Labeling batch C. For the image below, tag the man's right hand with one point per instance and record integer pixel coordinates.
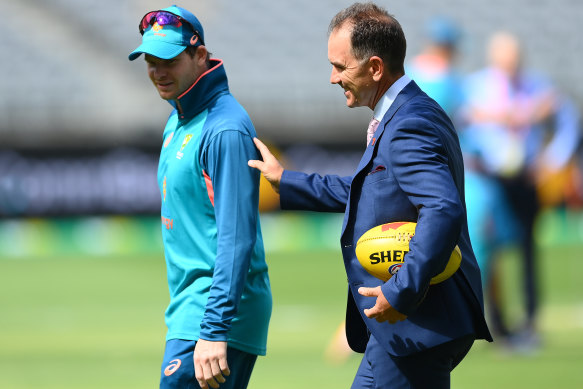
(269, 167)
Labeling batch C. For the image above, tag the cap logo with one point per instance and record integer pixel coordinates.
(157, 27)
(193, 40)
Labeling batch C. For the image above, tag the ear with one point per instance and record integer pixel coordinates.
(377, 67)
(201, 54)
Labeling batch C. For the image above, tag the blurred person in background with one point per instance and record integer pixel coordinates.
(220, 298)
(434, 68)
(412, 335)
(518, 132)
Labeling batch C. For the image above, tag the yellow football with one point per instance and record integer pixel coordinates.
(382, 250)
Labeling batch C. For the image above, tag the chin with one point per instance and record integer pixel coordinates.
(352, 104)
(167, 96)
(351, 101)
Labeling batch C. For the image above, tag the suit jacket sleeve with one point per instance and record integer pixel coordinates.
(312, 192)
(419, 159)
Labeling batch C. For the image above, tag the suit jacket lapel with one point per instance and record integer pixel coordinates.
(405, 95)
(408, 92)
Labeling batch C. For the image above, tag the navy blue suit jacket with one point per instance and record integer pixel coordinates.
(411, 171)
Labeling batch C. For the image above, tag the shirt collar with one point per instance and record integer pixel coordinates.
(389, 97)
(203, 92)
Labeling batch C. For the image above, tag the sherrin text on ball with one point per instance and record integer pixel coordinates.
(382, 250)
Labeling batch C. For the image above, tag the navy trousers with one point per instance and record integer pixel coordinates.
(178, 367)
(428, 369)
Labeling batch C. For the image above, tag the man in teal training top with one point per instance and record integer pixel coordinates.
(220, 297)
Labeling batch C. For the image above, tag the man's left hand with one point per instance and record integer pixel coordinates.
(210, 363)
(382, 310)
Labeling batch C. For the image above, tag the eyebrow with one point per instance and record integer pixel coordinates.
(338, 64)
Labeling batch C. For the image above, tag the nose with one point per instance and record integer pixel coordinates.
(159, 71)
(156, 70)
(334, 77)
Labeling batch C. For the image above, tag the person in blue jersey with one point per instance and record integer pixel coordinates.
(434, 69)
(220, 296)
(412, 334)
(519, 133)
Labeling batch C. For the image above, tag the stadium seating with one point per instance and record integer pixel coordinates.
(65, 70)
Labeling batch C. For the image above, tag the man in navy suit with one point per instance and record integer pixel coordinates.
(412, 334)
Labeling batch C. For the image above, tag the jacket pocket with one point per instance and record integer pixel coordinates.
(376, 174)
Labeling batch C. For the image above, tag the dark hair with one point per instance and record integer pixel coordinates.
(374, 32)
(191, 50)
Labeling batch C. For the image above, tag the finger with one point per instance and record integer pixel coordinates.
(260, 145)
(256, 164)
(208, 376)
(202, 384)
(198, 373)
(224, 366)
(216, 371)
(219, 378)
(369, 292)
(371, 313)
(266, 155)
(212, 383)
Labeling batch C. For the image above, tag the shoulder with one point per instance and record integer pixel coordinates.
(227, 114)
(420, 121)
(227, 126)
(420, 110)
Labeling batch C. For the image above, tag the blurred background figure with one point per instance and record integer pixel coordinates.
(518, 133)
(436, 71)
(434, 68)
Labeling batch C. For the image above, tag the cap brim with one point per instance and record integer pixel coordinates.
(158, 49)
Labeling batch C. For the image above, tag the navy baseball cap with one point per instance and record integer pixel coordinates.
(167, 32)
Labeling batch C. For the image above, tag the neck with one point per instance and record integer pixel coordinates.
(178, 106)
(202, 92)
(382, 88)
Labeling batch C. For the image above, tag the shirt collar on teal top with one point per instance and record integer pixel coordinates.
(203, 92)
(389, 97)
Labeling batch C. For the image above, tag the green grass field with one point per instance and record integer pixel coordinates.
(98, 323)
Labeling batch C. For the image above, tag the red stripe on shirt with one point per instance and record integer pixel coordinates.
(209, 187)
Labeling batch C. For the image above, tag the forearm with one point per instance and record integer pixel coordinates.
(311, 192)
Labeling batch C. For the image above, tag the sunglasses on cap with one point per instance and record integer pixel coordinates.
(165, 18)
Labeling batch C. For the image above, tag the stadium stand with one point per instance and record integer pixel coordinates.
(73, 106)
(68, 81)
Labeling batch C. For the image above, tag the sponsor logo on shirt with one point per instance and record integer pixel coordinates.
(164, 189)
(168, 139)
(167, 222)
(180, 153)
